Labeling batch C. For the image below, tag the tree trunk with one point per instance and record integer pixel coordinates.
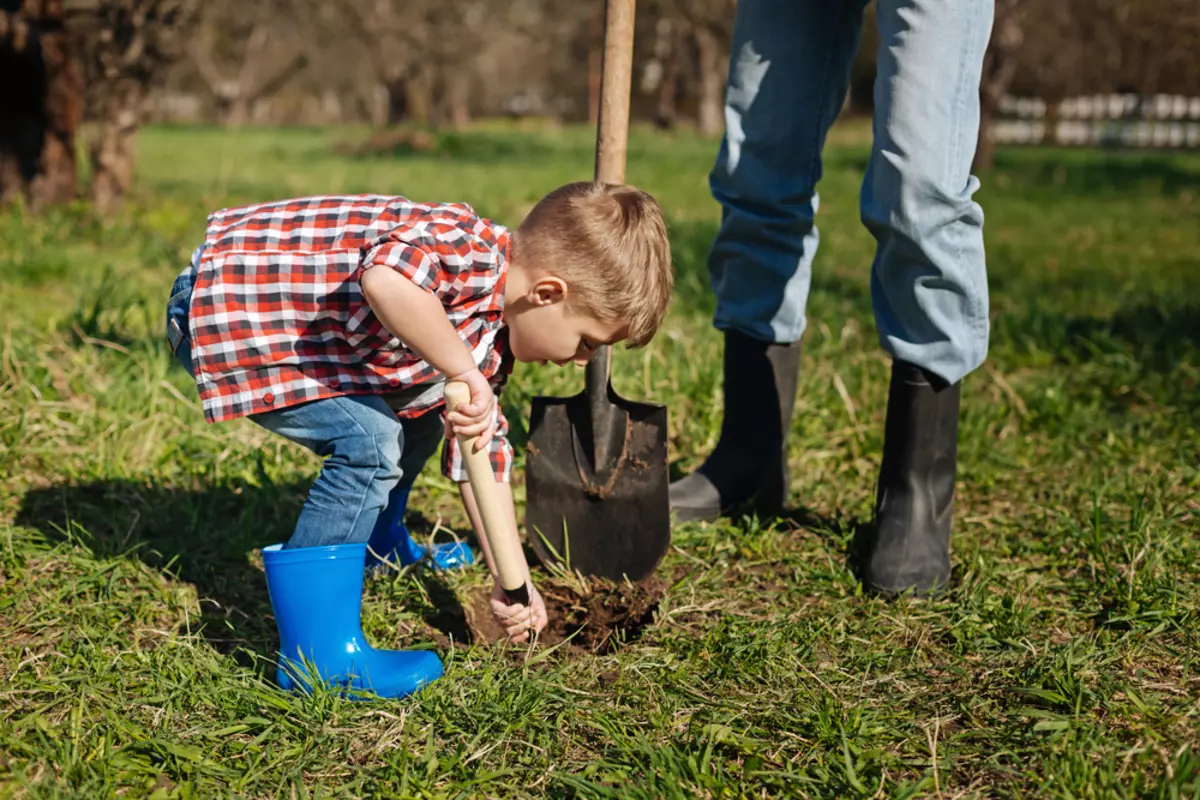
(418, 96)
(112, 155)
(710, 109)
(985, 145)
(999, 68)
(668, 92)
(234, 112)
(458, 98)
(40, 105)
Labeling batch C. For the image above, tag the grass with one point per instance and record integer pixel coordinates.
(136, 655)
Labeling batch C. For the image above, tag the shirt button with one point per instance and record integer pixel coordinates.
(335, 383)
(394, 382)
(268, 398)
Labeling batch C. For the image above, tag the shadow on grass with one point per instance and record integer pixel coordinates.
(1097, 171)
(1076, 172)
(205, 538)
(851, 536)
(1160, 337)
(1147, 338)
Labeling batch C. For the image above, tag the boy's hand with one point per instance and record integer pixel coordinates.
(478, 417)
(519, 621)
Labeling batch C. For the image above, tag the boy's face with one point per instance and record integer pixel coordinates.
(542, 330)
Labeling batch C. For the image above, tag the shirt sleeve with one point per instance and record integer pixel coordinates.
(420, 265)
(441, 256)
(500, 453)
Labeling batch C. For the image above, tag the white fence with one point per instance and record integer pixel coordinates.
(1117, 120)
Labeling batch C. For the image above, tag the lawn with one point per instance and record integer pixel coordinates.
(137, 637)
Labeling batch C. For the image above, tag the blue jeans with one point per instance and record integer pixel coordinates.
(788, 75)
(371, 456)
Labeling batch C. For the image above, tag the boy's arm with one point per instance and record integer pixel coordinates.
(417, 318)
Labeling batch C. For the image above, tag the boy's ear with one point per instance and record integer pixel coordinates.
(548, 290)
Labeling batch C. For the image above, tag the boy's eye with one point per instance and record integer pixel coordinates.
(586, 345)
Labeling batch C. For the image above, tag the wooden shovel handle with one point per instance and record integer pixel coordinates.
(612, 139)
(616, 76)
(500, 531)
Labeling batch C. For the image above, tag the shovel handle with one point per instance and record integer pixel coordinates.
(500, 531)
(612, 139)
(616, 78)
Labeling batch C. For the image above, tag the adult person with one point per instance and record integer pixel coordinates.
(788, 74)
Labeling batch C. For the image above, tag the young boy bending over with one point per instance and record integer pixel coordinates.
(335, 322)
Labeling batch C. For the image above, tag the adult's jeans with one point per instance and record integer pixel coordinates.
(788, 75)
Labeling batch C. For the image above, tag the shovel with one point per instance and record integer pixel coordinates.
(596, 464)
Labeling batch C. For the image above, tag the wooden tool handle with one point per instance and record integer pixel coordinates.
(616, 76)
(612, 139)
(500, 531)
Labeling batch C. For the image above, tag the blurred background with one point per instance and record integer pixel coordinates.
(77, 77)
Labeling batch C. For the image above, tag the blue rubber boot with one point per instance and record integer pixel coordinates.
(316, 593)
(391, 541)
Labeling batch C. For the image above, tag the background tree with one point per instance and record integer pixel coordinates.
(244, 52)
(442, 63)
(123, 47)
(40, 104)
(1000, 64)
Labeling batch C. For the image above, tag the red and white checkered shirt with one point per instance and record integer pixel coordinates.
(278, 316)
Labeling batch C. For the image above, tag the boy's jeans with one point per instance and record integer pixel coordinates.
(788, 75)
(370, 454)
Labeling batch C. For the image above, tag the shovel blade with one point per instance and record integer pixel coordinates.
(612, 519)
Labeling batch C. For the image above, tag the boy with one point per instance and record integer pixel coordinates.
(335, 321)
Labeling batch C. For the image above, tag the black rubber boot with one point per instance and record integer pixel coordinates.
(909, 549)
(748, 467)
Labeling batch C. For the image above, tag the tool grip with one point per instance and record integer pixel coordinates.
(616, 78)
(500, 530)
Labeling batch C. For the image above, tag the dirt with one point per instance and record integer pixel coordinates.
(600, 619)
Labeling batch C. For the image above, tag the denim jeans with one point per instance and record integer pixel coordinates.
(788, 72)
(371, 456)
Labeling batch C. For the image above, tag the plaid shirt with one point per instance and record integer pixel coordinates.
(278, 315)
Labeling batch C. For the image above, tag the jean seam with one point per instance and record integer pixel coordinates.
(375, 467)
(195, 263)
(962, 99)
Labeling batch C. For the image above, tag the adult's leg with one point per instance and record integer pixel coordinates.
(788, 73)
(928, 281)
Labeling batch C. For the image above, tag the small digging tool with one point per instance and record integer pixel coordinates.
(502, 538)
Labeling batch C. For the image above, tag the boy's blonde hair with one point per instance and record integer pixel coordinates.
(609, 243)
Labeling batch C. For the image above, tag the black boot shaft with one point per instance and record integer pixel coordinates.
(910, 548)
(748, 467)
(760, 394)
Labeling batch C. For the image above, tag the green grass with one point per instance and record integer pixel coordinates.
(137, 637)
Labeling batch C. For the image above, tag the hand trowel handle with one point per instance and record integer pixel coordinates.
(500, 530)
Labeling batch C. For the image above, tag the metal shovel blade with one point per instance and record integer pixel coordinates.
(596, 480)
